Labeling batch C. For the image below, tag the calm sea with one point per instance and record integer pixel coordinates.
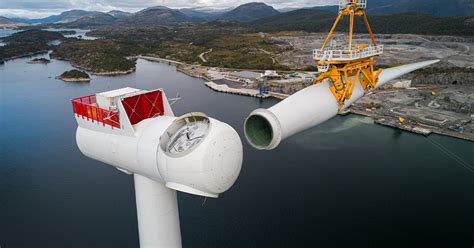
(346, 183)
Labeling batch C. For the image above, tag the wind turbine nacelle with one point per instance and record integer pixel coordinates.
(192, 153)
(266, 128)
(205, 169)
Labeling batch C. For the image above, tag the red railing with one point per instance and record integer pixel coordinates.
(86, 107)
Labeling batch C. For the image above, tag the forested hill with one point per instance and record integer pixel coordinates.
(317, 20)
(432, 7)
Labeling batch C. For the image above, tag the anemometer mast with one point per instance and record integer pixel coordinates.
(344, 65)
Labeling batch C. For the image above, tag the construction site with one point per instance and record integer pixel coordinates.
(439, 103)
(438, 100)
(445, 110)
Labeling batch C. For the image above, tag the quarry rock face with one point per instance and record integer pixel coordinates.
(443, 78)
(469, 22)
(286, 88)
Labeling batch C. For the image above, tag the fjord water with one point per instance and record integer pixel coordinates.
(346, 183)
(6, 32)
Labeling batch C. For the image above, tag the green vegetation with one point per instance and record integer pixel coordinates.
(310, 20)
(27, 43)
(110, 55)
(243, 51)
(179, 50)
(315, 20)
(98, 56)
(39, 61)
(232, 46)
(74, 74)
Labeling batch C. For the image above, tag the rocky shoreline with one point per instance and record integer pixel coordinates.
(209, 81)
(93, 72)
(422, 130)
(108, 73)
(24, 55)
(74, 79)
(74, 76)
(39, 61)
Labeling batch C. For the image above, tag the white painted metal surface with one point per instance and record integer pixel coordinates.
(308, 108)
(323, 68)
(192, 153)
(109, 98)
(208, 170)
(157, 214)
(361, 3)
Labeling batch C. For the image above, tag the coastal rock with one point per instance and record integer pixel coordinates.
(75, 79)
(75, 76)
(39, 61)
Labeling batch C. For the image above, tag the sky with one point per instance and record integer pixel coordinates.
(44, 8)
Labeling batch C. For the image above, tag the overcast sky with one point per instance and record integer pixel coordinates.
(43, 8)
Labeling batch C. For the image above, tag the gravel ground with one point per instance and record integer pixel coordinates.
(399, 48)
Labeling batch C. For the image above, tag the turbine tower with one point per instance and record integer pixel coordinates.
(136, 132)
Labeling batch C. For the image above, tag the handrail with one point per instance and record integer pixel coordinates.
(85, 107)
(362, 4)
(370, 51)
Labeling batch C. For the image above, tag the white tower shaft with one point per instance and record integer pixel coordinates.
(157, 214)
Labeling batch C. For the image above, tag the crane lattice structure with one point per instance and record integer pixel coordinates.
(345, 66)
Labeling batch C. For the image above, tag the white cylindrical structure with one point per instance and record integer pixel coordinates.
(157, 214)
(192, 153)
(136, 132)
(266, 128)
(205, 158)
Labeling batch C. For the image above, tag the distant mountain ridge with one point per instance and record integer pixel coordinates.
(158, 15)
(9, 23)
(4, 20)
(64, 17)
(119, 14)
(204, 13)
(317, 20)
(246, 13)
(249, 12)
(433, 7)
(91, 21)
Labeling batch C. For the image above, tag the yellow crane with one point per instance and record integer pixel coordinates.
(349, 63)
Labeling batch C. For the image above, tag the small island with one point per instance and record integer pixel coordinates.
(39, 61)
(75, 76)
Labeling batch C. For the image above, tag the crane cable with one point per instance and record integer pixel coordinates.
(452, 155)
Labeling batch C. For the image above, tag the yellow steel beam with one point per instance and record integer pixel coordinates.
(332, 30)
(351, 30)
(366, 21)
(344, 75)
